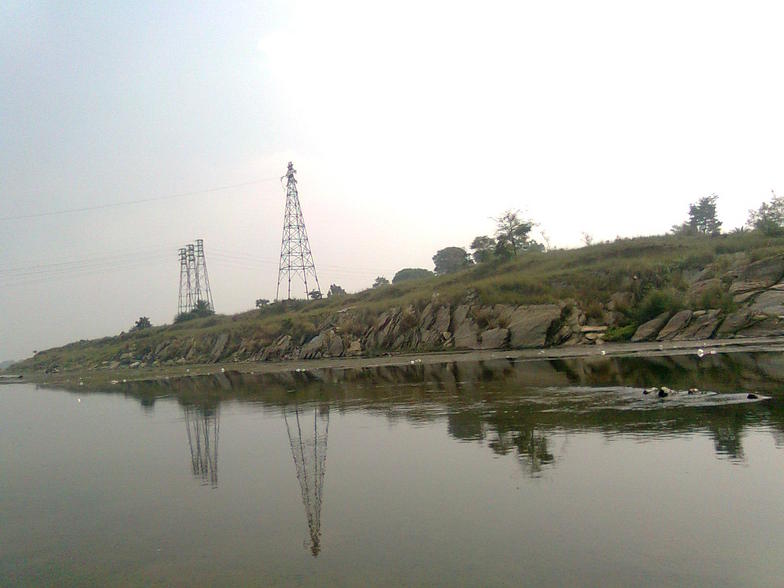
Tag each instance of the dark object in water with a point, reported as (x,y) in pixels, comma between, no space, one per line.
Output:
(752,396)
(646,391)
(663,393)
(694,391)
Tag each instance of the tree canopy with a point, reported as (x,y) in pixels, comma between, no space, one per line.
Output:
(769,217)
(411,273)
(450,259)
(142,323)
(512,233)
(380,281)
(335,290)
(199,310)
(702,218)
(483,248)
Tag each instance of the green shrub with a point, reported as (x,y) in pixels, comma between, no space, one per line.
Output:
(715,297)
(620,333)
(658,301)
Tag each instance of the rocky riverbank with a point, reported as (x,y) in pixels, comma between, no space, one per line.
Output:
(755,292)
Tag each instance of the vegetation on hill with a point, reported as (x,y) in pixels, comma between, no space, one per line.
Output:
(655,271)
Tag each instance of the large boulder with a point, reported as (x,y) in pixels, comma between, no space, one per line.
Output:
(759,275)
(217,349)
(464,329)
(736,322)
(700,287)
(494,338)
(770,302)
(675,325)
(763,326)
(529,325)
(279,349)
(648,331)
(313,349)
(702,326)
(334,345)
(442,320)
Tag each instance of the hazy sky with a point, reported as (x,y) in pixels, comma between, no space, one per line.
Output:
(411,125)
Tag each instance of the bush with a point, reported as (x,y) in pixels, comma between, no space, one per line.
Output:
(715,297)
(658,301)
(620,333)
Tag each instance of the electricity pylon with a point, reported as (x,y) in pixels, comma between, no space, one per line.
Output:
(295,256)
(194,282)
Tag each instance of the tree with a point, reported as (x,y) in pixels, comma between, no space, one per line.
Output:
(769,217)
(380,281)
(483,248)
(702,218)
(142,323)
(512,233)
(411,273)
(314,295)
(450,260)
(587,239)
(200,309)
(335,290)
(261,302)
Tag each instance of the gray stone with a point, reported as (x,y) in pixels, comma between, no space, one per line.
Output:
(278,349)
(702,326)
(459,316)
(735,322)
(312,349)
(699,288)
(335,346)
(529,325)
(678,322)
(467,335)
(593,329)
(494,338)
(217,349)
(759,275)
(770,303)
(355,348)
(763,326)
(649,330)
(442,321)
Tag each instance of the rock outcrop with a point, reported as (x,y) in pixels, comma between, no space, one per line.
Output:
(746,300)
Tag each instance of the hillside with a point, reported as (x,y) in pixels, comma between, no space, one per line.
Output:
(665,288)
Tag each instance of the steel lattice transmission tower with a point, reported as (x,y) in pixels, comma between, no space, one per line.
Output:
(296,258)
(194,281)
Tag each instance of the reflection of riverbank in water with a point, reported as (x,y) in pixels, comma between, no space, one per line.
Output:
(517,405)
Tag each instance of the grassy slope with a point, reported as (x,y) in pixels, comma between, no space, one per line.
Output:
(588,275)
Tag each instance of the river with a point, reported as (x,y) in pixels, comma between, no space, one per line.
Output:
(495,473)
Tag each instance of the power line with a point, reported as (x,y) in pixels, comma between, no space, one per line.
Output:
(132,202)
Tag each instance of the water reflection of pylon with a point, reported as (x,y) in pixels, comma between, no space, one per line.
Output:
(309,450)
(203,427)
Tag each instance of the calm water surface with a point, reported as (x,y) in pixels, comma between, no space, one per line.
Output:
(471,474)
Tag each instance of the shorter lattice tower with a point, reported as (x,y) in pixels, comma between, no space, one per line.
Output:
(185,283)
(194,281)
(296,258)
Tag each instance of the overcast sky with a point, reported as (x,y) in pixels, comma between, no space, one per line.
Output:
(411,125)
